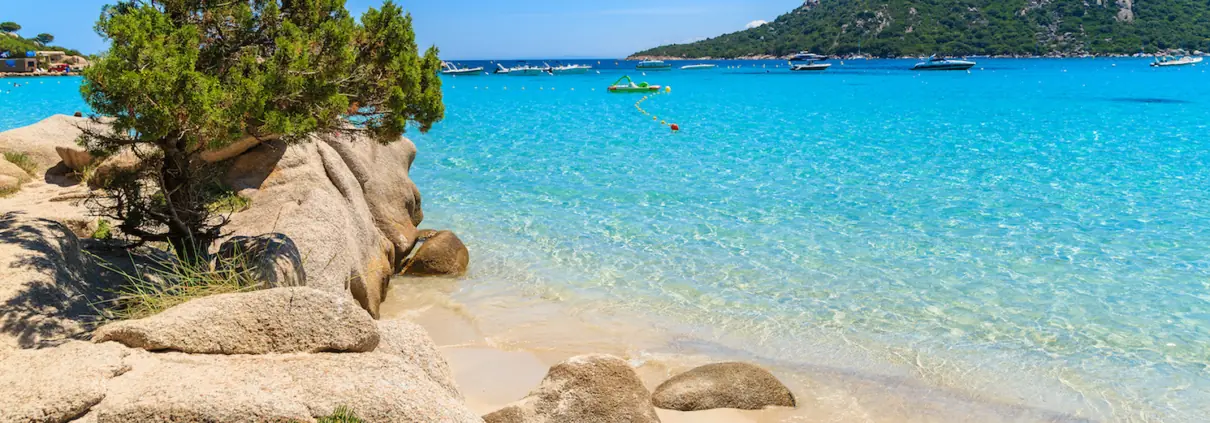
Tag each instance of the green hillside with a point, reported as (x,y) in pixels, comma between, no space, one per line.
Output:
(966,27)
(16,45)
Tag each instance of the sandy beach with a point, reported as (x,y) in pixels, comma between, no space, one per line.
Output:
(496,367)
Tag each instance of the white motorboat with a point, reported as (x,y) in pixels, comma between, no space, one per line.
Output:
(1172,61)
(453,70)
(653,65)
(520,70)
(568,69)
(698,67)
(938,63)
(810,66)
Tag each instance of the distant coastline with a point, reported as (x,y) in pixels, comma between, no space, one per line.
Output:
(848,57)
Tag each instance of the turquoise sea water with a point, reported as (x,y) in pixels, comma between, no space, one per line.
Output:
(1034,231)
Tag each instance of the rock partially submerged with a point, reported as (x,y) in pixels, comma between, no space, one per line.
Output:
(280,320)
(441,254)
(594,388)
(723,385)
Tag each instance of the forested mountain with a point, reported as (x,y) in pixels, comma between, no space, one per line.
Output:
(966,27)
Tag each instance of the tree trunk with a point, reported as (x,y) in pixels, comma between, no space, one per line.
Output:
(186,206)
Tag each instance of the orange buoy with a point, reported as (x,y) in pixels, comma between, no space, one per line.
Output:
(674,127)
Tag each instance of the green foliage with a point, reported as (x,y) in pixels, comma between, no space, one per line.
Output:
(17,47)
(170,282)
(104,230)
(964,27)
(23,161)
(9,26)
(341,415)
(184,76)
(229,202)
(44,38)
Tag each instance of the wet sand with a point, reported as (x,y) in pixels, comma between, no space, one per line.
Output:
(501,348)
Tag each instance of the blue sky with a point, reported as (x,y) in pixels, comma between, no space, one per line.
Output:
(485,29)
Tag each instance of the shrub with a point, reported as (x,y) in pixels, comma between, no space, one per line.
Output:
(104,230)
(341,415)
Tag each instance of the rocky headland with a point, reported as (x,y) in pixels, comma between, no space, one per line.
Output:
(328,226)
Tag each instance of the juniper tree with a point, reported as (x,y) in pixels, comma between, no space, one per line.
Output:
(9,27)
(45,39)
(182,77)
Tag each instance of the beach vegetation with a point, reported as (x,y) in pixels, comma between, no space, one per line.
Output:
(9,26)
(104,230)
(184,77)
(18,47)
(341,415)
(44,38)
(167,282)
(23,161)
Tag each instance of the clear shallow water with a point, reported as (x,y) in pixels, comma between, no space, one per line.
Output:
(1033,232)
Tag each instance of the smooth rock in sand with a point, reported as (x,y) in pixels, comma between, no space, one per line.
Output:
(594,388)
(723,385)
(410,341)
(276,388)
(57,384)
(75,158)
(279,320)
(272,259)
(441,254)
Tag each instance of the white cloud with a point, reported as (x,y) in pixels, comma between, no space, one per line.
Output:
(756,24)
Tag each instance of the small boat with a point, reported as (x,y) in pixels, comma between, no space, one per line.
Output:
(453,70)
(698,67)
(568,69)
(625,85)
(809,66)
(1172,61)
(936,63)
(653,65)
(804,56)
(520,70)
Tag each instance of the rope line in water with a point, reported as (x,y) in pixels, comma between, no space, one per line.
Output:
(639,105)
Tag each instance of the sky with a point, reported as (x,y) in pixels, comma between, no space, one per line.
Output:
(485,29)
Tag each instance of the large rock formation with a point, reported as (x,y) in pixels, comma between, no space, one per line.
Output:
(46,297)
(280,320)
(403,380)
(723,385)
(190,388)
(593,388)
(440,254)
(346,201)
